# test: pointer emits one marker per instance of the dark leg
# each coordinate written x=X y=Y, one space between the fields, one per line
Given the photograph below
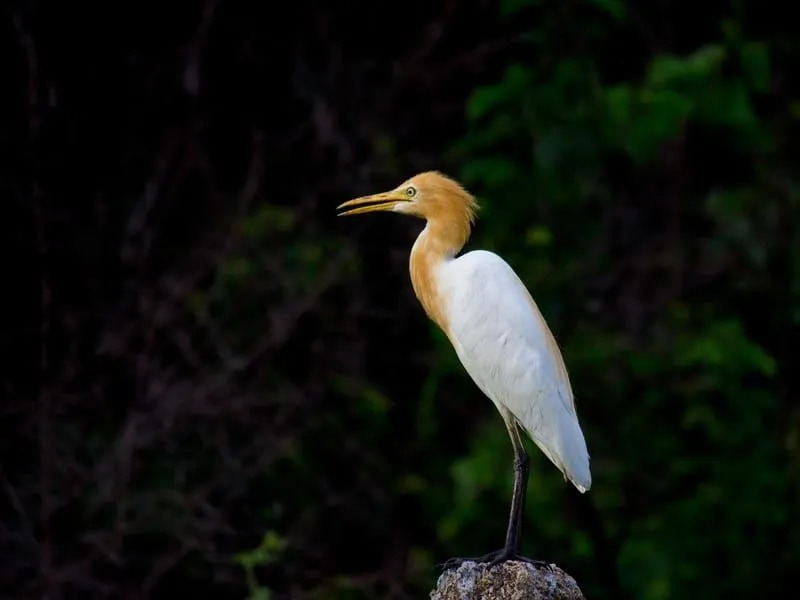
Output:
x=511 y=549
x=514 y=532
x=521 y=470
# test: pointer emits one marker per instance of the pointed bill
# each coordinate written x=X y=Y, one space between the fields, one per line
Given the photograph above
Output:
x=385 y=201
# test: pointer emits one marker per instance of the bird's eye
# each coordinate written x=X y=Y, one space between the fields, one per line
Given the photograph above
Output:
x=411 y=191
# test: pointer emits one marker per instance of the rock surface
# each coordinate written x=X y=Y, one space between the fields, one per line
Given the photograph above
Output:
x=512 y=580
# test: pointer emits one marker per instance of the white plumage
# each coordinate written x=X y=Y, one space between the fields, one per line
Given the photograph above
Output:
x=502 y=341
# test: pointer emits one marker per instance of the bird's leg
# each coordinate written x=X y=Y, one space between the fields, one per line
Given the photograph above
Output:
x=513 y=534
x=510 y=551
x=521 y=471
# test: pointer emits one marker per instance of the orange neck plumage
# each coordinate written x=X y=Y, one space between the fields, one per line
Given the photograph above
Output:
x=438 y=243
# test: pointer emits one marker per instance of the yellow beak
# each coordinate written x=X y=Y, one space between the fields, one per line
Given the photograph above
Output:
x=376 y=202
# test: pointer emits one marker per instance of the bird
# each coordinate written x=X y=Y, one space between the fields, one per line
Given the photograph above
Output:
x=497 y=332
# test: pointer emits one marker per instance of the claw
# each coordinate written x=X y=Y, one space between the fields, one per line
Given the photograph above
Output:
x=494 y=558
x=504 y=557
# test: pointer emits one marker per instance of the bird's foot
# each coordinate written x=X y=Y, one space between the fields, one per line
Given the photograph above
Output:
x=494 y=558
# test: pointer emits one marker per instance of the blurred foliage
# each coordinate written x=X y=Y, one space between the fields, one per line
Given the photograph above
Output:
x=682 y=407
x=219 y=388
x=267 y=552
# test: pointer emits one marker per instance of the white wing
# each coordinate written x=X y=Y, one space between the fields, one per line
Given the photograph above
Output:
x=508 y=350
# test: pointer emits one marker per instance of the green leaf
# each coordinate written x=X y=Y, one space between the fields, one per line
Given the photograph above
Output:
x=729 y=105
x=661 y=118
x=485 y=99
x=724 y=345
x=488 y=98
x=489 y=171
x=755 y=64
x=619 y=104
x=260 y=593
x=271 y=547
x=668 y=70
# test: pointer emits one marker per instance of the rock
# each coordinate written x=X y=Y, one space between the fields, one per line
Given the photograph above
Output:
x=512 y=580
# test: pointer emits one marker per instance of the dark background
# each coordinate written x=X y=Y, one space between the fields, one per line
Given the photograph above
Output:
x=213 y=386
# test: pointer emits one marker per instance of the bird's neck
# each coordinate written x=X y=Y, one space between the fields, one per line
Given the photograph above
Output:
x=436 y=245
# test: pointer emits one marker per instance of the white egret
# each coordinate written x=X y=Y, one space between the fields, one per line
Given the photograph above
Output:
x=496 y=329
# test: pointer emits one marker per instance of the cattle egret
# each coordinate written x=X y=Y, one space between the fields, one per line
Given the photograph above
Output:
x=497 y=331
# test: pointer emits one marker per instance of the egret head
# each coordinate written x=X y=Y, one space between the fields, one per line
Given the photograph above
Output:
x=428 y=195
